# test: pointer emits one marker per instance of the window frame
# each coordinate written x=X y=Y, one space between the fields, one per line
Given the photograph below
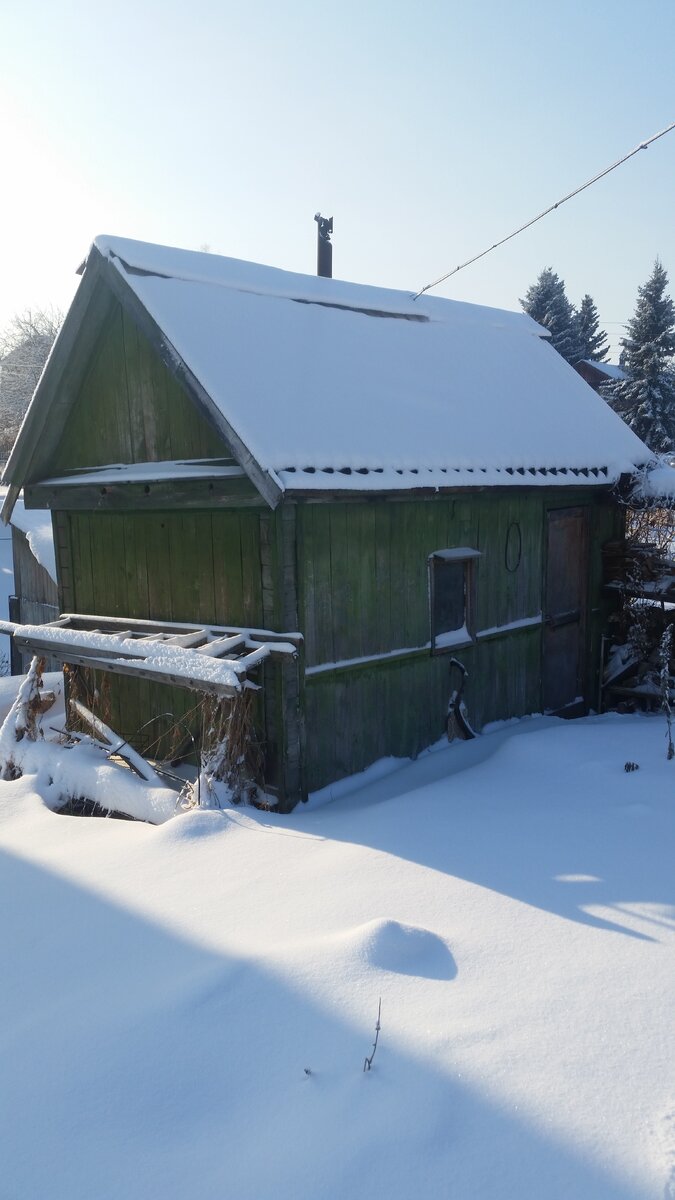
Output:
x=467 y=556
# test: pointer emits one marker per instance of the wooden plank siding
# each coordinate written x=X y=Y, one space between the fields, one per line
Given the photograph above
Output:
x=199 y=566
x=130 y=408
x=231 y=567
x=363 y=591
x=353 y=578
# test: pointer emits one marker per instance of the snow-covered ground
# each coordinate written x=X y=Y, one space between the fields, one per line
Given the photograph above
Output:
x=186 y=1008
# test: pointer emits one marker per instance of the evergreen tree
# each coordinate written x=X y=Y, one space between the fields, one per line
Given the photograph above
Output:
x=546 y=302
x=646 y=399
x=591 y=339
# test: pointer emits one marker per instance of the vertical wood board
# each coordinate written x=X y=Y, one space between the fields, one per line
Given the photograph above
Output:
x=130 y=408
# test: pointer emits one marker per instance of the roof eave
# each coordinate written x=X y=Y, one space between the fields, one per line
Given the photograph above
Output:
x=422 y=481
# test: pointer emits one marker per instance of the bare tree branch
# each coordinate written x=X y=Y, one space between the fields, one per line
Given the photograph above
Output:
x=24 y=348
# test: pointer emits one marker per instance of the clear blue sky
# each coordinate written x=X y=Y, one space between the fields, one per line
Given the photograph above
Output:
x=428 y=131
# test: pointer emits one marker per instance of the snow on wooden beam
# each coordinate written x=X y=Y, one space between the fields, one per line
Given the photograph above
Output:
x=204 y=659
x=114 y=743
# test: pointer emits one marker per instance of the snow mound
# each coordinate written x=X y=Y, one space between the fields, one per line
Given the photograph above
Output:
x=197 y=823
x=404 y=949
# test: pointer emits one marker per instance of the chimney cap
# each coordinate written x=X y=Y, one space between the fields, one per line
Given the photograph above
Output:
x=325 y=226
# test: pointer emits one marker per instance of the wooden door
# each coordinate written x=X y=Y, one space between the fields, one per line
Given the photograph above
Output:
x=565 y=602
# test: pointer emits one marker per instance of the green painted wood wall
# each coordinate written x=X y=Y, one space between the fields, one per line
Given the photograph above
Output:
x=173 y=566
x=363 y=576
x=355 y=574
x=130 y=408
x=363 y=590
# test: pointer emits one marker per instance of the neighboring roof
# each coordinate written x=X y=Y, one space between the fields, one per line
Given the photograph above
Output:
x=608 y=369
x=37 y=526
x=331 y=385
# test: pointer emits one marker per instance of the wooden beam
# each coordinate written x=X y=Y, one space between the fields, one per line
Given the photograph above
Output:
x=10 y=500
x=187 y=640
x=291 y=674
x=119 y=746
x=223 y=645
x=590 y=487
x=157 y=495
x=140 y=636
x=117 y=666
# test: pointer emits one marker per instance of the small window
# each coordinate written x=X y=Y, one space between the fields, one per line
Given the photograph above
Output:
x=451 y=597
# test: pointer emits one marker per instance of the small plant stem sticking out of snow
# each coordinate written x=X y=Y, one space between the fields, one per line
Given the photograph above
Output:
x=665 y=650
x=368 y=1061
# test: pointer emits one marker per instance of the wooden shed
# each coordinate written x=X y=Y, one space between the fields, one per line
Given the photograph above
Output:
x=400 y=481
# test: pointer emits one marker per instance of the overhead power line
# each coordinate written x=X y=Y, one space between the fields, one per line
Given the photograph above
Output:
x=533 y=221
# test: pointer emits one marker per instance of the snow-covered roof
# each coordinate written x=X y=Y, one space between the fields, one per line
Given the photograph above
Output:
x=36 y=524
x=319 y=384
x=609 y=369
x=339 y=385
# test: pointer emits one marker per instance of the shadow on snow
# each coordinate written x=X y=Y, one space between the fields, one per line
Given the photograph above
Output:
x=139 y=1064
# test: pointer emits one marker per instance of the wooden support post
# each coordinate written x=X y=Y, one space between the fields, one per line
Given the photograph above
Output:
x=292 y=686
x=284 y=684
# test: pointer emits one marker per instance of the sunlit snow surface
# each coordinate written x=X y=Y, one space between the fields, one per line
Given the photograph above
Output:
x=187 y=1008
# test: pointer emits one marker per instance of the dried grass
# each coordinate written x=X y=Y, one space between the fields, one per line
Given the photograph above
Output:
x=230 y=750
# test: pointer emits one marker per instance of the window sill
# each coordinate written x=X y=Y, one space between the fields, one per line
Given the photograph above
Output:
x=444 y=643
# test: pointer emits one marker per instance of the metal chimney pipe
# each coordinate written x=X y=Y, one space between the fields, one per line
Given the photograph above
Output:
x=324 y=249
